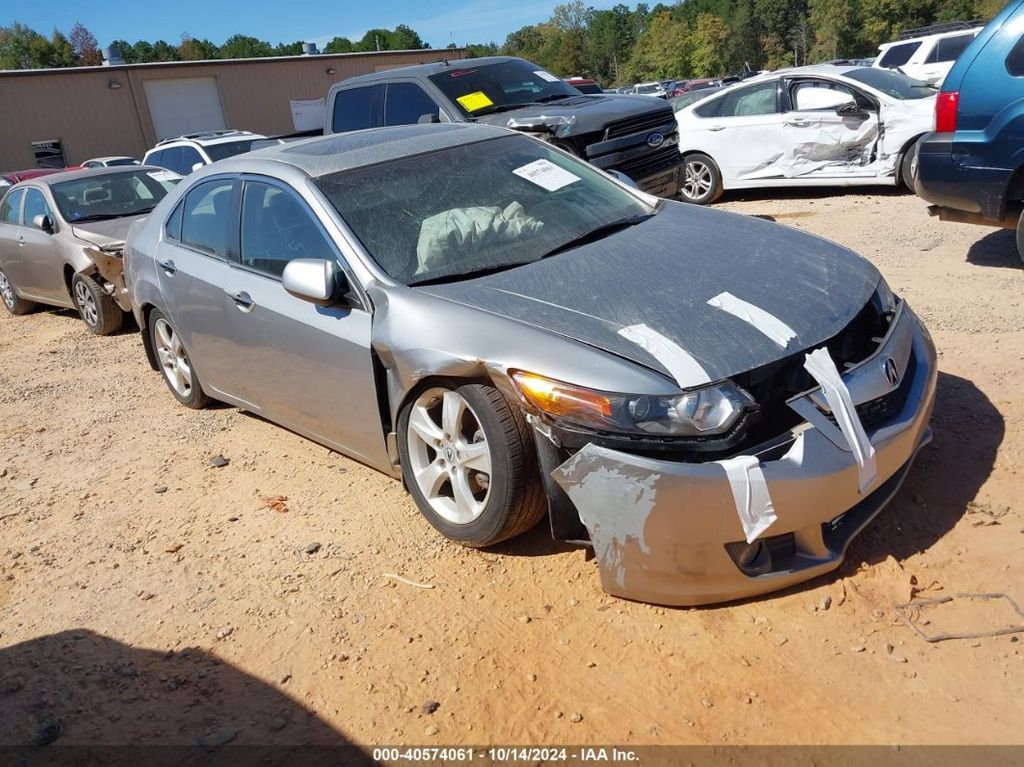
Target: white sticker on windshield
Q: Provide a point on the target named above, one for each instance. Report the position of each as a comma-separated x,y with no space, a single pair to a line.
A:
546,76
546,175
164,175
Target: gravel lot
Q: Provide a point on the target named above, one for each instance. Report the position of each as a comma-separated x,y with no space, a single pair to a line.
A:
147,597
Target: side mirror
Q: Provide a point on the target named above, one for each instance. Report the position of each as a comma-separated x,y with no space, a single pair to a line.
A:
43,222
198,166
428,119
850,109
313,279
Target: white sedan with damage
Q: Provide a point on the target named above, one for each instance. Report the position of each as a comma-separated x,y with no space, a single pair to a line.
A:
812,126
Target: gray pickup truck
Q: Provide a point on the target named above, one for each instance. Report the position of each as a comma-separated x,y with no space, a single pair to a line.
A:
634,135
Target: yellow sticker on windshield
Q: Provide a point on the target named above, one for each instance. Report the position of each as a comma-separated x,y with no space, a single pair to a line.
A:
474,101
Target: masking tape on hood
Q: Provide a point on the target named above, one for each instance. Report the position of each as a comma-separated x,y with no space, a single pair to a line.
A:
677,361
820,365
750,493
769,324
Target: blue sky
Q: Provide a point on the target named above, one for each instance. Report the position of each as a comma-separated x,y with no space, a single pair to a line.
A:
309,20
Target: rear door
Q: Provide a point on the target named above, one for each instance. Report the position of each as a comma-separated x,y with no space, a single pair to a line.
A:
192,271
742,131
822,142
303,365
940,58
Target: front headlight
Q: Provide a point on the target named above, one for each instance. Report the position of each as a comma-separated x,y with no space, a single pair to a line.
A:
701,412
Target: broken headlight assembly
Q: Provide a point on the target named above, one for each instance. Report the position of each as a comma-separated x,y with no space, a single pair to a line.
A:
706,412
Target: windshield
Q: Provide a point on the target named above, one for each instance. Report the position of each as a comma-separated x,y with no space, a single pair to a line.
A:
229,148
893,84
491,88
112,195
477,208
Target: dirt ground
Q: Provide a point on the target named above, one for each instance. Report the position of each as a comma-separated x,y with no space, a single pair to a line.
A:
147,597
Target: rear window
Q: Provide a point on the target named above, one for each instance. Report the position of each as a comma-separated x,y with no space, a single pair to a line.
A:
948,49
358,109
898,55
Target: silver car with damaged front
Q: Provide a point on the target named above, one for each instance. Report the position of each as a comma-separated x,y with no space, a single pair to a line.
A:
517,335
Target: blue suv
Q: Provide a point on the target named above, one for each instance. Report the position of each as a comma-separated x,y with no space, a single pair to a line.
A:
972,167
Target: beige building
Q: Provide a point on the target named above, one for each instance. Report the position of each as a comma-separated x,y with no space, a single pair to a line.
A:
125,109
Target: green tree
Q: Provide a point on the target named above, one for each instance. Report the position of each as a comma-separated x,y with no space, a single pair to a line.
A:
708,55
245,47
405,39
23,48
192,49
834,24
289,49
127,51
661,51
374,40
161,50
62,54
339,45
570,20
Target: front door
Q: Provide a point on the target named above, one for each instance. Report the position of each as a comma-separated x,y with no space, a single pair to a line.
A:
44,267
303,365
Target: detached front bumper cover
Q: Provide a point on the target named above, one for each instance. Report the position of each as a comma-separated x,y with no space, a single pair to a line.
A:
669,533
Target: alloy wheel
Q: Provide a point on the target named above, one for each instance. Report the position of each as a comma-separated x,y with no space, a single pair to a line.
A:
698,180
173,360
7,291
86,304
450,457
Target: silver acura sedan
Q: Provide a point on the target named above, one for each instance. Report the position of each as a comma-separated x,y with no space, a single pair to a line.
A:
716,404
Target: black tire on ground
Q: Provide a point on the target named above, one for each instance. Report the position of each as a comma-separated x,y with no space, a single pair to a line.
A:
194,397
701,183
1020,237
516,500
96,307
12,302
907,163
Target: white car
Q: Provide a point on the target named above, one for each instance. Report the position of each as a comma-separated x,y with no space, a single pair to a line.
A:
812,126
193,151
109,162
649,89
927,54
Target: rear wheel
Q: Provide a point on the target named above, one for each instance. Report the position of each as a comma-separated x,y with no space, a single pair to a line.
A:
12,301
469,462
702,180
98,310
174,363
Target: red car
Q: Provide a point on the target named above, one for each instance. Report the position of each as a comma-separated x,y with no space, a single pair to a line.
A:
17,176
584,85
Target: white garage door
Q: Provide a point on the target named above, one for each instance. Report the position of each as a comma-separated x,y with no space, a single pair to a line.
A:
185,105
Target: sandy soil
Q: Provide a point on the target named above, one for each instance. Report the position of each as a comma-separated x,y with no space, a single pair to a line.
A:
146,597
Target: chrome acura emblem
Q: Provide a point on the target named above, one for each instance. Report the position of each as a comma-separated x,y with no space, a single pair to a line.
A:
655,140
892,373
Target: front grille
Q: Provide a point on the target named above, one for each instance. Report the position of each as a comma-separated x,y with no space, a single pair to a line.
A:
877,412
647,122
655,162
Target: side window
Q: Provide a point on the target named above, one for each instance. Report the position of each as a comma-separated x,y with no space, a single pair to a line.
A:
1015,59
35,205
189,157
898,55
174,160
358,108
818,95
155,158
277,227
710,109
949,48
172,229
11,207
208,217
406,103
755,100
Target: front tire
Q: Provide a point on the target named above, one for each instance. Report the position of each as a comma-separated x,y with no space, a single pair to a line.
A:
13,303
702,180
469,462
908,164
98,310
175,366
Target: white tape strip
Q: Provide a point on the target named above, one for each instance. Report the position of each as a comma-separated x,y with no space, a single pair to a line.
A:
769,324
750,493
820,365
677,361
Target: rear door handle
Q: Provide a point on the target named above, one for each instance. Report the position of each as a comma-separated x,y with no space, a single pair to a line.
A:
242,300
716,127
798,123
168,266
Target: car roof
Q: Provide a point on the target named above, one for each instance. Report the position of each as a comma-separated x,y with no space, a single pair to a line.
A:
343,151
73,175
207,139
111,157
963,30
425,70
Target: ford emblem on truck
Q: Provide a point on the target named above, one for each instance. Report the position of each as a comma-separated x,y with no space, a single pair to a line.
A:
655,140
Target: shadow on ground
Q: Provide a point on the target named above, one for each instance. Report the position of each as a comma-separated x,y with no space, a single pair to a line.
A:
78,689
998,248
811,193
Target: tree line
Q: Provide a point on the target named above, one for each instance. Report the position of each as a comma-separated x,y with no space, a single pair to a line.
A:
692,38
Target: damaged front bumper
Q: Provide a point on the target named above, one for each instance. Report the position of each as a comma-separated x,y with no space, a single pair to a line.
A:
668,532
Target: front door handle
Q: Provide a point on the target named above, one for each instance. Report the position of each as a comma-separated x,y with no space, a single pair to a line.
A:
798,123
168,266
21,242
243,301
716,127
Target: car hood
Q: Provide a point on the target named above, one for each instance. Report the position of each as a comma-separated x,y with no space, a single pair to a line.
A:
660,275
575,115
105,233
